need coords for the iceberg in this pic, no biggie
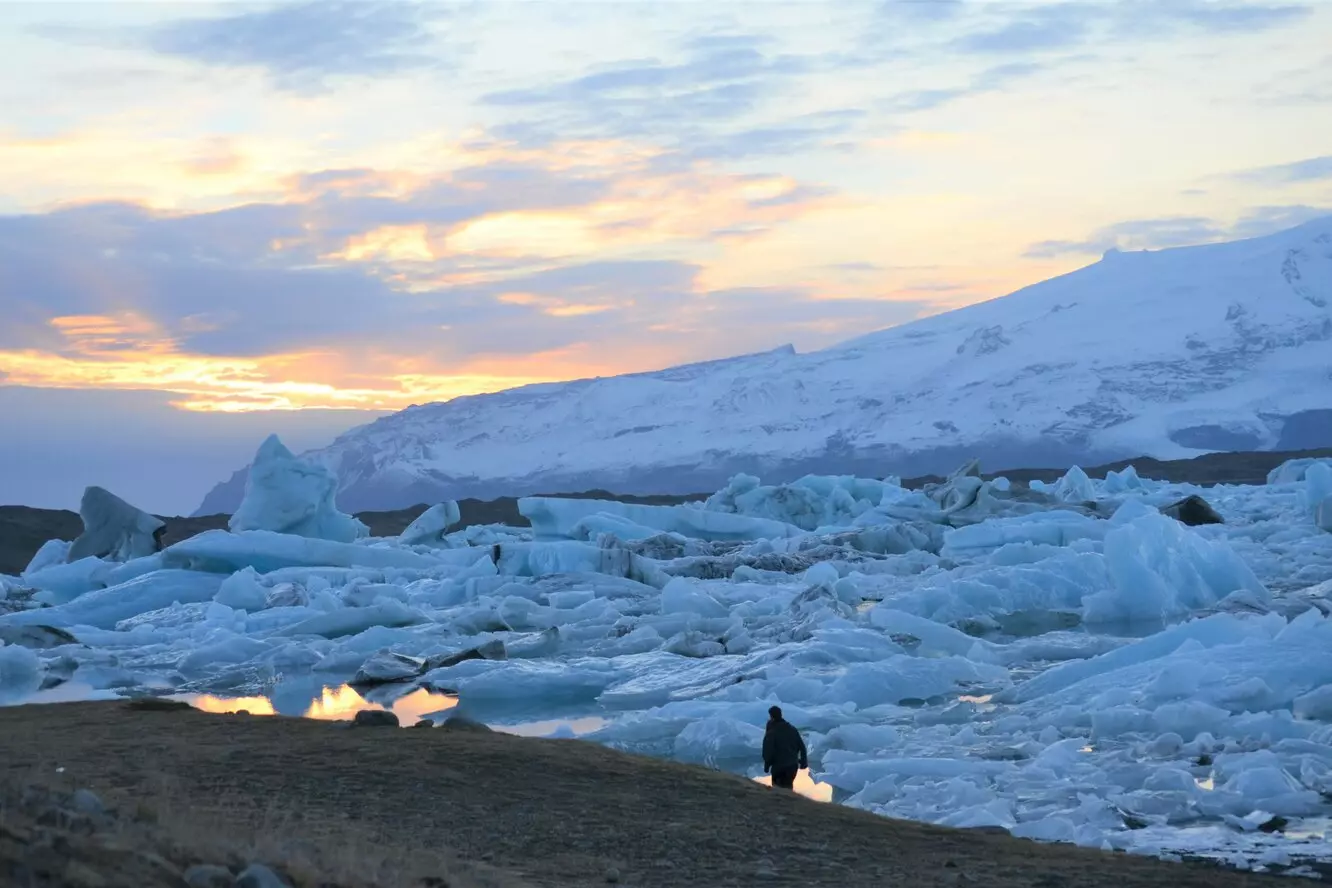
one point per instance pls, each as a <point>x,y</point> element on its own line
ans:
<point>113,530</point>
<point>288,495</point>
<point>429,527</point>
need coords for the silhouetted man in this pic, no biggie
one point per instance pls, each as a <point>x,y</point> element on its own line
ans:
<point>783,750</point>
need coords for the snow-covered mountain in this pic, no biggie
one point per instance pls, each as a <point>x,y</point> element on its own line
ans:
<point>1165,353</point>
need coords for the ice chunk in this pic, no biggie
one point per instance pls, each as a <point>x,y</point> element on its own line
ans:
<point>61,583</point>
<point>51,553</point>
<point>1057,528</point>
<point>683,596</point>
<point>288,495</point>
<point>1221,629</point>
<point>1318,494</point>
<point>572,557</point>
<point>218,551</point>
<point>351,620</point>
<point>505,683</point>
<point>1161,569</point>
<point>902,678</point>
<point>1122,482</point>
<point>242,591</point>
<point>554,518</point>
<point>114,530</point>
<point>1317,704</point>
<point>1293,471</point>
<point>20,672</point>
<point>1075,487</point>
<point>104,608</point>
<point>429,527</point>
<point>809,503</point>
<point>711,741</point>
<point>934,638</point>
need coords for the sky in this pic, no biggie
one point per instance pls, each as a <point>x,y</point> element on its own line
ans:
<point>220,220</point>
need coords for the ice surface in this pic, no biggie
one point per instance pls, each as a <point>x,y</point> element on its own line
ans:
<point>809,503</point>
<point>113,529</point>
<point>556,519</point>
<point>293,496</point>
<point>222,552</point>
<point>1070,665</point>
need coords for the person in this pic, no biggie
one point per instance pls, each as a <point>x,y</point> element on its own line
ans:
<point>784,753</point>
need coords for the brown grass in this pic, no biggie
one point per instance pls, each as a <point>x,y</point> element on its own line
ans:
<point>382,805</point>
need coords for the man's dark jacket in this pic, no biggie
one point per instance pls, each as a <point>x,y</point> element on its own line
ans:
<point>783,748</point>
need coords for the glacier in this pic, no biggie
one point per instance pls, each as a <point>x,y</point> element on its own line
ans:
<point>1166,353</point>
<point>1065,662</point>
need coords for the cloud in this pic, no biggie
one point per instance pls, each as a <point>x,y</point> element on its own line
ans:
<point>701,105</point>
<point>1018,29</point>
<point>1138,234</point>
<point>373,289</point>
<point>1259,221</point>
<point>1312,169</point>
<point>992,79</point>
<point>1150,234</point>
<point>1031,30</point>
<point>301,45</point>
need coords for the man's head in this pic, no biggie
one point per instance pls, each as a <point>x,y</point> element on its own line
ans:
<point>775,713</point>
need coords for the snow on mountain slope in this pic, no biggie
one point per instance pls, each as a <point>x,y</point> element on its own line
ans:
<point>1167,353</point>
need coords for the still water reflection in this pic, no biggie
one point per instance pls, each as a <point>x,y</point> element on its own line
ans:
<point>806,785</point>
<point>334,703</point>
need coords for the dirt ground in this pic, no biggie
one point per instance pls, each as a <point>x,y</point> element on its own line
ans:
<point>534,812</point>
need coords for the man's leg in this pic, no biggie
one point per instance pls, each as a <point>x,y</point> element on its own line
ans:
<point>784,778</point>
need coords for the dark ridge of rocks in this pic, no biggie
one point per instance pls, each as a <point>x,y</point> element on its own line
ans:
<point>23,530</point>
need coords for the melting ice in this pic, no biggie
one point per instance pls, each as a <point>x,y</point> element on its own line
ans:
<point>1062,661</point>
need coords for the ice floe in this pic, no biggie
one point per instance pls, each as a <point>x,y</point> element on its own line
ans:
<point>1086,661</point>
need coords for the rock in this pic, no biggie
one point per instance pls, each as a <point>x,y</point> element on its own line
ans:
<point>424,723</point>
<point>429,527</point>
<point>287,595</point>
<point>463,723</point>
<point>612,876</point>
<point>375,718</point>
<point>205,875</point>
<point>256,875</point>
<point>1193,510</point>
<point>156,704</point>
<point>38,637</point>
<point>1276,824</point>
<point>85,801</point>
<point>114,530</point>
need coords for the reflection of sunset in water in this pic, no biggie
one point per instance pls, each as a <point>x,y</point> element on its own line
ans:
<point>252,705</point>
<point>805,785</point>
<point>341,702</point>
